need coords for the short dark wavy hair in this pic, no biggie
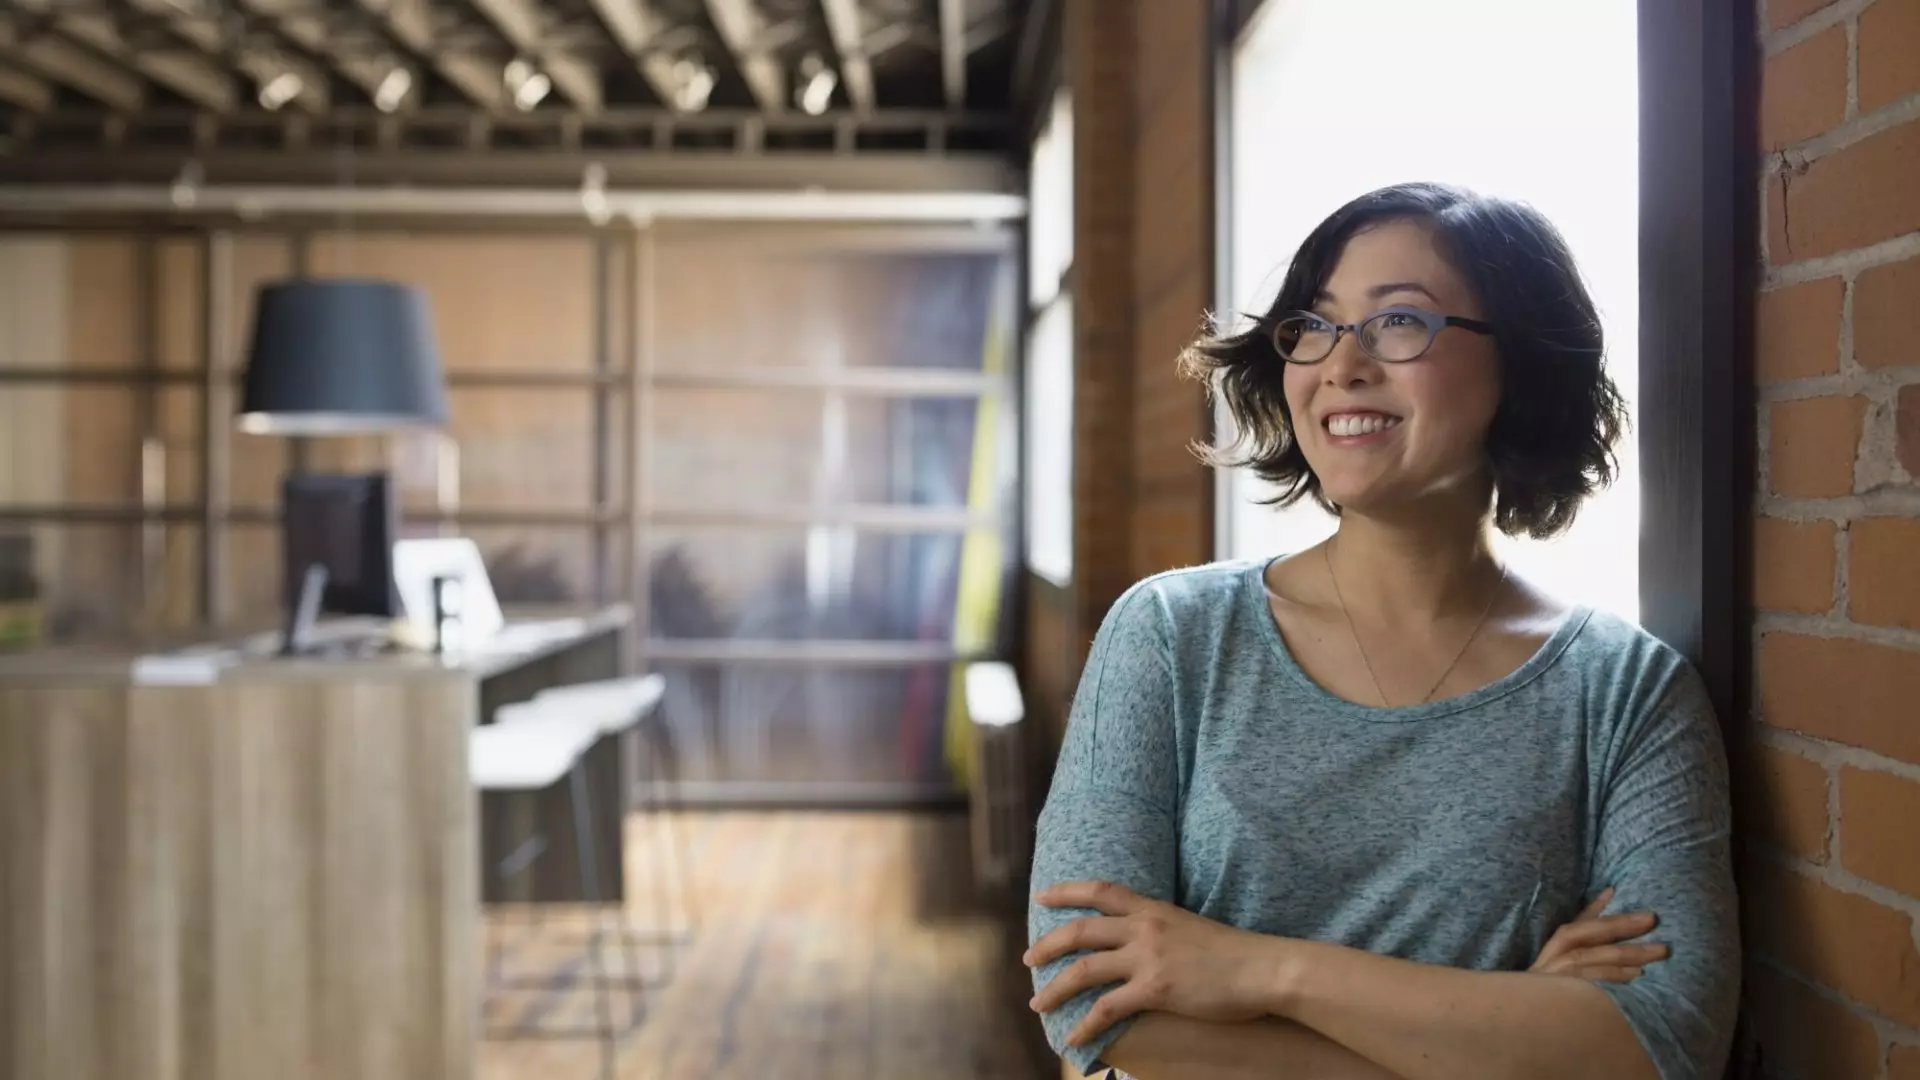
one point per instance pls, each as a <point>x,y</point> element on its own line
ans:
<point>1551,443</point>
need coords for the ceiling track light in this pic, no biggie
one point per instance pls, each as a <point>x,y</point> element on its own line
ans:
<point>279,90</point>
<point>393,90</point>
<point>593,194</point>
<point>185,192</point>
<point>527,84</point>
<point>693,82</point>
<point>817,83</point>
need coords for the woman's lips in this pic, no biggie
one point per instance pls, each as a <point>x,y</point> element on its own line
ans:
<point>1358,425</point>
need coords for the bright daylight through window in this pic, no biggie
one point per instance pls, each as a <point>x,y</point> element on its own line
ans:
<point>1048,435</point>
<point>1518,98</point>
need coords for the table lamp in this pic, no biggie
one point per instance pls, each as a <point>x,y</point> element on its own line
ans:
<point>341,356</point>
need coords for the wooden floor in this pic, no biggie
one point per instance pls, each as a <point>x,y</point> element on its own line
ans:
<point>826,945</point>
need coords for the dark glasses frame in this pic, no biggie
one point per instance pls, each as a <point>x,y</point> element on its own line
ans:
<point>1434,323</point>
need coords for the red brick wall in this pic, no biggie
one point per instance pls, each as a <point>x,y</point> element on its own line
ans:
<point>1830,786</point>
<point>1143,226</point>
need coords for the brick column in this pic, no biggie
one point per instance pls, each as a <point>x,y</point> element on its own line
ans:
<point>1830,782</point>
<point>1100,65</point>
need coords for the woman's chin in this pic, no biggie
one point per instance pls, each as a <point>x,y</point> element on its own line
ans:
<point>1369,499</point>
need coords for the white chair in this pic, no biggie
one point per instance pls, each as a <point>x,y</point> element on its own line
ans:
<point>615,706</point>
<point>530,748</point>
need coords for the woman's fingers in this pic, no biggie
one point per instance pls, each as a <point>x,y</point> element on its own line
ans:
<point>1618,956</point>
<point>1608,974</point>
<point>1627,956</point>
<point>1590,932</point>
<point>1599,905</point>
<point>1102,896</point>
<point>1099,932</point>
<point>1114,1006</point>
<point>1606,931</point>
<point>1091,970</point>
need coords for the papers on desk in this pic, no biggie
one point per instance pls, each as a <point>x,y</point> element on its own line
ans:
<point>515,637</point>
<point>189,667</point>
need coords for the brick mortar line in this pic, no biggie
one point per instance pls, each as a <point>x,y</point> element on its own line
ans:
<point>1833,755</point>
<point>1775,42</point>
<point>1853,67</point>
<point>1854,129</point>
<point>1896,502</point>
<point>1845,263</point>
<point>1842,572</point>
<point>1763,453</point>
<point>1839,880</point>
<point>1856,382</point>
<point>1822,626</point>
<point>1849,363</point>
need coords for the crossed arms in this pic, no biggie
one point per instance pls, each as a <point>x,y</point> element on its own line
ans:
<point>1229,1004</point>
<point>1126,978</point>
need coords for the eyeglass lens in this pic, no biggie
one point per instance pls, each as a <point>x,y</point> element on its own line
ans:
<point>1392,336</point>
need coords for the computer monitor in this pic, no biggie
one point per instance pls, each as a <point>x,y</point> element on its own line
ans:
<point>345,526</point>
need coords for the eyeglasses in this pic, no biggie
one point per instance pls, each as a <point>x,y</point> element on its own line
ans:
<point>1393,336</point>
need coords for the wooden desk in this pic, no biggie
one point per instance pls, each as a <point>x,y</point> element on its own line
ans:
<point>274,872</point>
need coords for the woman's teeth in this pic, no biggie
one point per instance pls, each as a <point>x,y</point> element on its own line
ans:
<point>1347,424</point>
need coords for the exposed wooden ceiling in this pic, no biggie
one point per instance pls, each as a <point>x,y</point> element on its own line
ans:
<point>208,77</point>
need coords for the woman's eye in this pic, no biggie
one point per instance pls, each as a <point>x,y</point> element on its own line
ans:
<point>1394,320</point>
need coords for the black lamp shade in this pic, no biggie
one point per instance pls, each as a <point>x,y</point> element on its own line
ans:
<point>341,356</point>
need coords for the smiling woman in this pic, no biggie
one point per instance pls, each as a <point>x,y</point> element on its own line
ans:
<point>1385,807</point>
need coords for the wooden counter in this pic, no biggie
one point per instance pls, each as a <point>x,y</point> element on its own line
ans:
<point>272,872</point>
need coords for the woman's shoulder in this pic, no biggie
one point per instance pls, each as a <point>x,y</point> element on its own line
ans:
<point>1630,667</point>
<point>1178,596</point>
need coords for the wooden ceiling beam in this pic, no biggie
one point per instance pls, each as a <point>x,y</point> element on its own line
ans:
<point>411,24</point>
<point>257,66</point>
<point>519,21</point>
<point>308,29</point>
<point>638,28</point>
<point>190,76</point>
<point>744,30</point>
<point>60,60</point>
<point>953,52</point>
<point>22,90</point>
<point>850,41</point>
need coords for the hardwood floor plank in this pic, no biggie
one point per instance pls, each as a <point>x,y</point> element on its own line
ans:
<point>829,946</point>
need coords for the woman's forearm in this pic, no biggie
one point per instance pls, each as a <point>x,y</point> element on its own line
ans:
<point>1163,1046</point>
<point>1425,1022</point>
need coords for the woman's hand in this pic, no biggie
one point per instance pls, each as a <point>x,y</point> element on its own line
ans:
<point>1166,959</point>
<point>1590,946</point>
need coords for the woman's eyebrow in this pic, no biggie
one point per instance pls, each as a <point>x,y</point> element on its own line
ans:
<point>1380,292</point>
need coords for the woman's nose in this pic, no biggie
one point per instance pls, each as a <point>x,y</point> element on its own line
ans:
<point>1348,364</point>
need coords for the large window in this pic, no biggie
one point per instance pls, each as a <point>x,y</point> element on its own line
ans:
<point>823,517</point>
<point>1048,435</point>
<point>1527,100</point>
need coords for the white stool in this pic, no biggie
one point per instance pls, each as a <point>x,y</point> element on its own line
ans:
<point>530,748</point>
<point>617,705</point>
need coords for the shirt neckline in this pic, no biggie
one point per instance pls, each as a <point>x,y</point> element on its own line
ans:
<point>1543,658</point>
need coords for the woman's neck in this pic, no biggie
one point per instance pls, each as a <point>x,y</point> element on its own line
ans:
<point>1438,567</point>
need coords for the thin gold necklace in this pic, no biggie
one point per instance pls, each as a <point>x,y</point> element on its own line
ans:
<point>1326,556</point>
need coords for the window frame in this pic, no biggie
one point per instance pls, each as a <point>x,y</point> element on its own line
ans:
<point>1044,297</point>
<point>1698,260</point>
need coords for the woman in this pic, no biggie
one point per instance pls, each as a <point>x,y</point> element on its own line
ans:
<point>1361,811</point>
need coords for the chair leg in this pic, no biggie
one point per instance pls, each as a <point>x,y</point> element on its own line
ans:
<point>668,779</point>
<point>590,882</point>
